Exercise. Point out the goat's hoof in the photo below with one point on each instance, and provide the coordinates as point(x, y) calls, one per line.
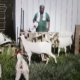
point(57, 55)
point(56, 61)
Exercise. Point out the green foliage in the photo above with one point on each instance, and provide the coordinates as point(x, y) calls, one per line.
point(67, 68)
point(8, 65)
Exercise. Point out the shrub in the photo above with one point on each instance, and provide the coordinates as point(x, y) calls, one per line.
point(67, 68)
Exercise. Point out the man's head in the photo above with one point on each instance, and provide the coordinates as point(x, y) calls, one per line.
point(42, 9)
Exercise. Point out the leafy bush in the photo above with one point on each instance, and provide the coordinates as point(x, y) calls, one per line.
point(67, 68)
point(8, 65)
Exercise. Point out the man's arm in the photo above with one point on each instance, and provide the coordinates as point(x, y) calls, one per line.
point(48, 26)
point(48, 21)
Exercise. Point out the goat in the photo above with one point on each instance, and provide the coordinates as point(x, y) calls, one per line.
point(39, 48)
point(21, 66)
point(40, 37)
point(63, 41)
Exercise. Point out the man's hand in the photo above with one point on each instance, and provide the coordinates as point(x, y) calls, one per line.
point(48, 26)
point(47, 29)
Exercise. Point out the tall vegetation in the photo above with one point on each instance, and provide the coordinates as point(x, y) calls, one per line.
point(67, 68)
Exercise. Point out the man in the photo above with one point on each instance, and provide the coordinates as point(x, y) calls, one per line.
point(42, 18)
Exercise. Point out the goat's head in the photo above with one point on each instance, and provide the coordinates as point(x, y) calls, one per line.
point(19, 57)
point(26, 34)
point(18, 52)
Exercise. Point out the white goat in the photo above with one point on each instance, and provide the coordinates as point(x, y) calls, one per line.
point(21, 67)
point(64, 39)
point(39, 48)
point(64, 42)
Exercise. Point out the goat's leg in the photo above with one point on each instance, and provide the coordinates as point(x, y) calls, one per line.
point(65, 51)
point(18, 75)
point(26, 75)
point(54, 49)
point(43, 58)
point(58, 51)
point(53, 56)
point(70, 48)
point(29, 55)
point(47, 61)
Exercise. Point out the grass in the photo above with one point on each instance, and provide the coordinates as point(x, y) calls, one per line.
point(67, 68)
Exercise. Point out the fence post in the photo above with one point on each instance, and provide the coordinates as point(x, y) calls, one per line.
point(21, 45)
point(35, 36)
point(48, 35)
point(77, 40)
point(42, 37)
point(30, 36)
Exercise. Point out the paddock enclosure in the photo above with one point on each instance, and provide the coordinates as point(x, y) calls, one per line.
point(64, 14)
point(50, 37)
point(35, 37)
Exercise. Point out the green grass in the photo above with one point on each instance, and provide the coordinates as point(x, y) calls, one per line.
point(67, 68)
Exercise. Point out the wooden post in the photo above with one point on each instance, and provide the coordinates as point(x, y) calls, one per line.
point(44, 37)
point(77, 39)
point(0, 72)
point(30, 36)
point(9, 46)
point(21, 45)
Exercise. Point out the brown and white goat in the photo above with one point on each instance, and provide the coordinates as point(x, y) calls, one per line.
point(21, 66)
